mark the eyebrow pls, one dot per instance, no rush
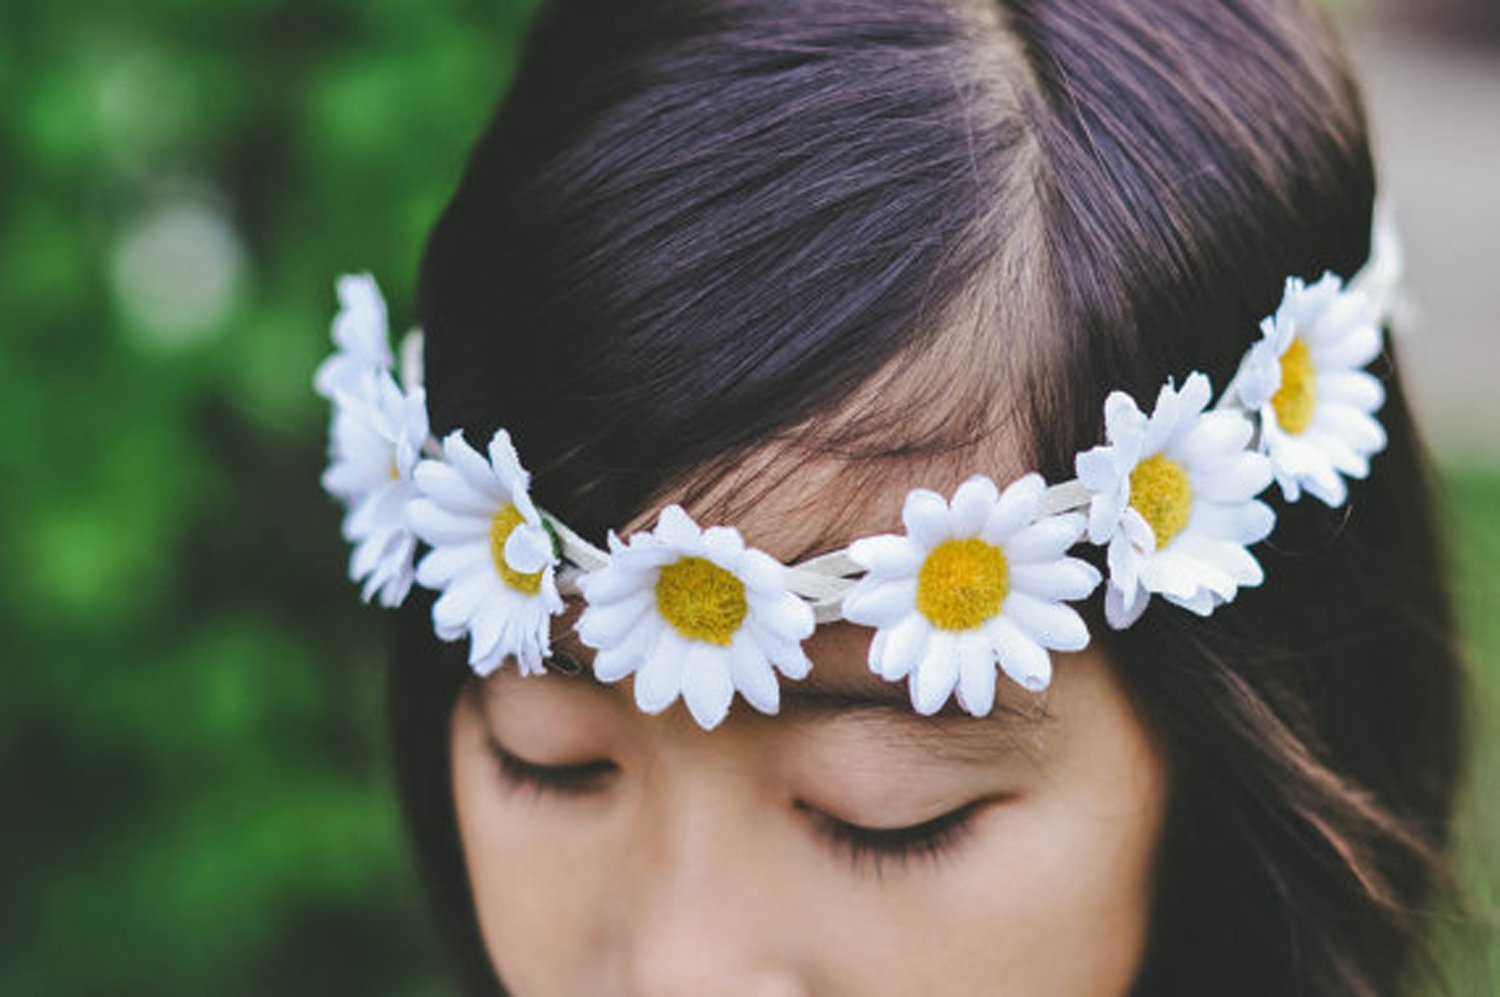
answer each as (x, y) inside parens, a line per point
(950, 734)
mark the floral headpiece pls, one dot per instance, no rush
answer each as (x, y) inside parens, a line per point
(977, 580)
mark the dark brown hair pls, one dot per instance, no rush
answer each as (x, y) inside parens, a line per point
(696, 227)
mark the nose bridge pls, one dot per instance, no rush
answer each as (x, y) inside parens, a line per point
(702, 912)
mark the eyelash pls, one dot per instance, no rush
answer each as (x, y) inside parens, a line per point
(867, 848)
(563, 780)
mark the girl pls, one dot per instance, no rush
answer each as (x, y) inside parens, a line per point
(806, 268)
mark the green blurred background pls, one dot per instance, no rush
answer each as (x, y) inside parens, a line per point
(195, 789)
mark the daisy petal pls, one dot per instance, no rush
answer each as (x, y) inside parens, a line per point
(876, 603)
(659, 679)
(706, 685)
(887, 556)
(976, 675)
(972, 504)
(1020, 657)
(933, 680)
(753, 676)
(925, 516)
(905, 647)
(1066, 578)
(1050, 624)
(1046, 539)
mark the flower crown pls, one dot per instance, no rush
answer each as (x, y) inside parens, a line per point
(976, 580)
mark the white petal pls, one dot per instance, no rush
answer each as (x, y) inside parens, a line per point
(1213, 437)
(1020, 657)
(1355, 388)
(444, 485)
(1104, 516)
(1359, 431)
(753, 676)
(706, 685)
(1241, 522)
(784, 614)
(474, 468)
(976, 674)
(528, 549)
(1122, 607)
(1356, 348)
(1066, 578)
(759, 571)
(876, 657)
(1195, 393)
(607, 625)
(486, 665)
(1201, 602)
(876, 603)
(1231, 558)
(613, 583)
(1242, 477)
(887, 556)
(1171, 574)
(675, 527)
(457, 604)
(614, 663)
(1050, 624)
(484, 628)
(933, 680)
(659, 679)
(1046, 539)
(905, 647)
(972, 504)
(925, 516)
(1337, 454)
(1097, 469)
(724, 546)
(1122, 418)
(1124, 562)
(506, 463)
(437, 526)
(788, 656)
(1015, 508)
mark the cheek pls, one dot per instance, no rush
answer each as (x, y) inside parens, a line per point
(1053, 893)
(1070, 870)
(527, 895)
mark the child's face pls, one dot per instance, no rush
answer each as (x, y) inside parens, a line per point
(846, 845)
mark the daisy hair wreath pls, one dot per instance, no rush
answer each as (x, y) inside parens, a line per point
(975, 582)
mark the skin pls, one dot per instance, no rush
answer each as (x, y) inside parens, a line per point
(694, 862)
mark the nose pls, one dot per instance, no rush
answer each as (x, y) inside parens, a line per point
(708, 911)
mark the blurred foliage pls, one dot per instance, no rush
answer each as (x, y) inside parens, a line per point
(196, 790)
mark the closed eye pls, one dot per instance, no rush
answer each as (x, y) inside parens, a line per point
(578, 779)
(868, 848)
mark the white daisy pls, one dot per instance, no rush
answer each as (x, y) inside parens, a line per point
(375, 440)
(1306, 379)
(1173, 495)
(697, 613)
(972, 583)
(491, 556)
(361, 334)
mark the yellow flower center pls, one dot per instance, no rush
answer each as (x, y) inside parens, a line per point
(501, 527)
(1160, 492)
(701, 600)
(1295, 399)
(962, 583)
